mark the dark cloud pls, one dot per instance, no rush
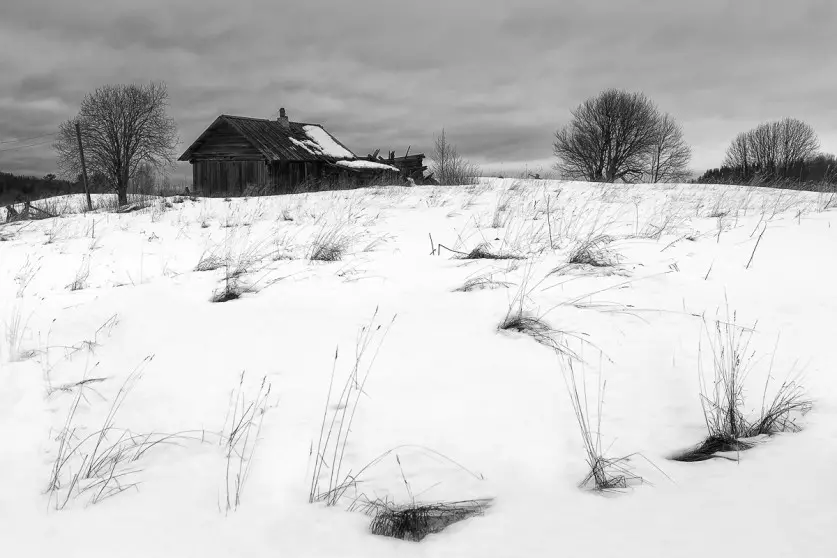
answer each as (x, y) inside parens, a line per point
(499, 76)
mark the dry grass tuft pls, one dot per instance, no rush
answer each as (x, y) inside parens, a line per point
(483, 252)
(25, 275)
(710, 448)
(606, 474)
(728, 428)
(536, 328)
(210, 262)
(82, 274)
(15, 330)
(414, 521)
(482, 283)
(240, 437)
(232, 290)
(594, 252)
(331, 243)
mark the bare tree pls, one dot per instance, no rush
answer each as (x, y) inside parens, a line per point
(670, 154)
(776, 149)
(449, 168)
(738, 154)
(797, 143)
(609, 138)
(122, 128)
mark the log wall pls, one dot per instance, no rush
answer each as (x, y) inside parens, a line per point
(220, 178)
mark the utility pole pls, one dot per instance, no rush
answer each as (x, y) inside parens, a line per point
(83, 168)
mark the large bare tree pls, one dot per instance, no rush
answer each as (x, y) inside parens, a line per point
(776, 149)
(123, 127)
(609, 138)
(669, 156)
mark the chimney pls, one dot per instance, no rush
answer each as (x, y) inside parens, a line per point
(283, 120)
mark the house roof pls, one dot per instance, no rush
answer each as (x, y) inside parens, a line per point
(301, 142)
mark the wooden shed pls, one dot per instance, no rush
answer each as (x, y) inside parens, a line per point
(236, 154)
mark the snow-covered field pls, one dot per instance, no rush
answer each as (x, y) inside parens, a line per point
(106, 324)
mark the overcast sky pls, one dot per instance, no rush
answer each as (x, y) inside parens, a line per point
(500, 76)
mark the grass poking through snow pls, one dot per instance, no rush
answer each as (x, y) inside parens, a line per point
(594, 251)
(103, 463)
(240, 438)
(480, 283)
(330, 243)
(483, 252)
(413, 522)
(329, 480)
(728, 427)
(606, 474)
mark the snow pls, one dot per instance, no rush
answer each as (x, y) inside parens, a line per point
(326, 143)
(363, 164)
(444, 379)
(308, 145)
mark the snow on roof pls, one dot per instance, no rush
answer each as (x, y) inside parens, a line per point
(326, 143)
(362, 164)
(307, 145)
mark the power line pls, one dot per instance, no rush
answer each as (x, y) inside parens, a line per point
(27, 139)
(24, 146)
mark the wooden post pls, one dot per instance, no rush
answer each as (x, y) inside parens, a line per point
(83, 168)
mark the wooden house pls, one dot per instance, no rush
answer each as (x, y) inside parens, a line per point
(236, 154)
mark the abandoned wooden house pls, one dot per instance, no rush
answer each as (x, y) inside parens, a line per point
(237, 154)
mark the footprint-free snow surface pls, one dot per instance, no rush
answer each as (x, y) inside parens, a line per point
(140, 418)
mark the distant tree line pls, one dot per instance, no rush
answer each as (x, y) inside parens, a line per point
(780, 153)
(22, 188)
(618, 136)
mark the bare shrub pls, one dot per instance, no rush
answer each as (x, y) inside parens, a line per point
(449, 168)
